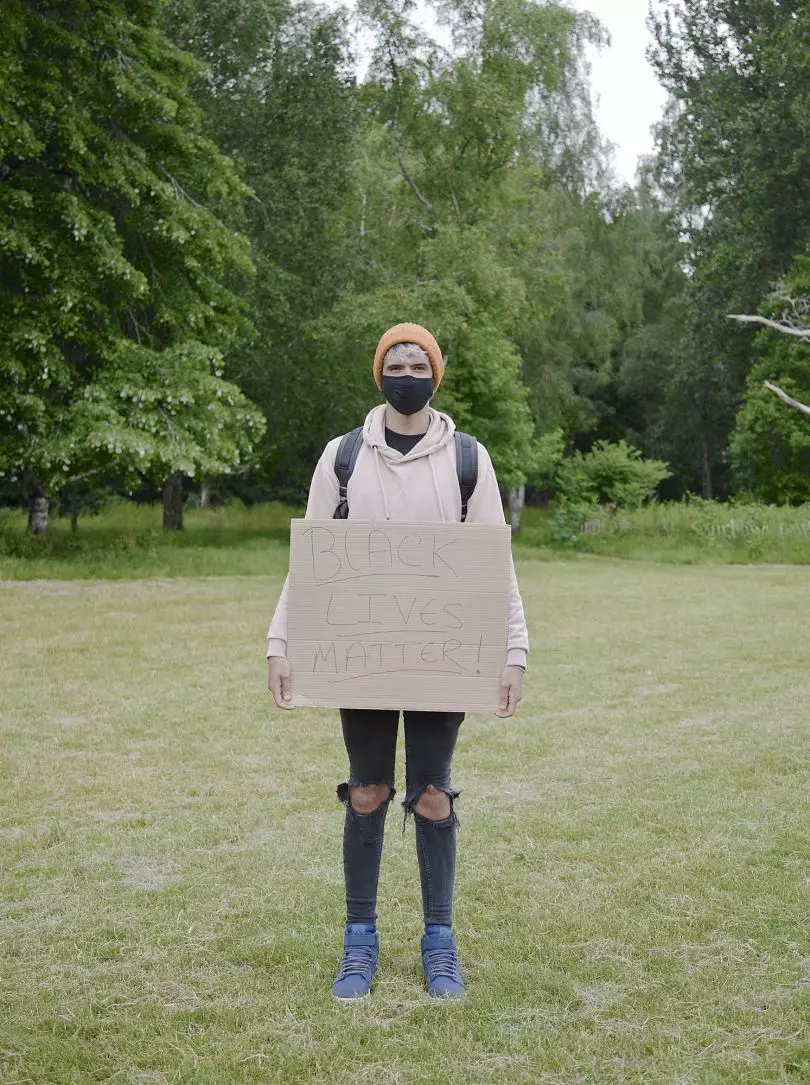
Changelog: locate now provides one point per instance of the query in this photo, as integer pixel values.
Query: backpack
(466, 468)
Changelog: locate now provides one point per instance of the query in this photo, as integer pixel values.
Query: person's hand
(278, 681)
(511, 691)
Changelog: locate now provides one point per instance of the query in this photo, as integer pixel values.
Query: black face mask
(407, 394)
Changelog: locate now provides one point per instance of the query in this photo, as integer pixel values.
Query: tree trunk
(173, 503)
(706, 471)
(205, 493)
(74, 511)
(517, 498)
(37, 509)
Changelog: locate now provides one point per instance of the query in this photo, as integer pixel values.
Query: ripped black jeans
(371, 743)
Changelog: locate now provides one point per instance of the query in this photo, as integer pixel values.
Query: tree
(770, 446)
(602, 286)
(445, 136)
(652, 399)
(278, 93)
(734, 157)
(794, 318)
(118, 299)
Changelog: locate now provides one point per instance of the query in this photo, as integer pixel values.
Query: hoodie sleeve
(321, 504)
(486, 508)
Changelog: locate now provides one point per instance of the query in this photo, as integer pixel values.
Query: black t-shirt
(402, 442)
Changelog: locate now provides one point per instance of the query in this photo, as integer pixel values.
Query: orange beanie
(409, 333)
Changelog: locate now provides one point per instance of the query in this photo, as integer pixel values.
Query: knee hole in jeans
(434, 804)
(368, 798)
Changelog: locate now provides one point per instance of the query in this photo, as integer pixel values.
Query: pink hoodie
(421, 486)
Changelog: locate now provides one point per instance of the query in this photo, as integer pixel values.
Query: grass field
(634, 876)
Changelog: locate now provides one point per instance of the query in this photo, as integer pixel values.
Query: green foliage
(601, 330)
(613, 474)
(157, 412)
(279, 95)
(549, 453)
(434, 174)
(126, 540)
(770, 447)
(462, 196)
(734, 158)
(117, 292)
(686, 532)
(484, 395)
(468, 189)
(481, 388)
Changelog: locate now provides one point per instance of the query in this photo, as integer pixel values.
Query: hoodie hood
(441, 428)
(397, 474)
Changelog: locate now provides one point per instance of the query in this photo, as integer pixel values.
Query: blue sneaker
(440, 961)
(361, 947)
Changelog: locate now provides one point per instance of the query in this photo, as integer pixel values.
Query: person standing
(405, 469)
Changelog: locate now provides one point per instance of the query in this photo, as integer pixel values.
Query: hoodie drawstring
(436, 487)
(382, 488)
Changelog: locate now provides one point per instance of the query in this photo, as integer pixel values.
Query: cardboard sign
(398, 615)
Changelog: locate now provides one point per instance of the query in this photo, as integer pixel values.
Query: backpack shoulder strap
(346, 458)
(466, 468)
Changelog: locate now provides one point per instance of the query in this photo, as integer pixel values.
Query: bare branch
(797, 310)
(136, 326)
(777, 391)
(455, 206)
(794, 319)
(265, 216)
(800, 333)
(85, 475)
(179, 191)
(363, 213)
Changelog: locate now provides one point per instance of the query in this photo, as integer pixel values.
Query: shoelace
(357, 961)
(443, 963)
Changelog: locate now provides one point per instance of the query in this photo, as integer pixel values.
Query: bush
(612, 474)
